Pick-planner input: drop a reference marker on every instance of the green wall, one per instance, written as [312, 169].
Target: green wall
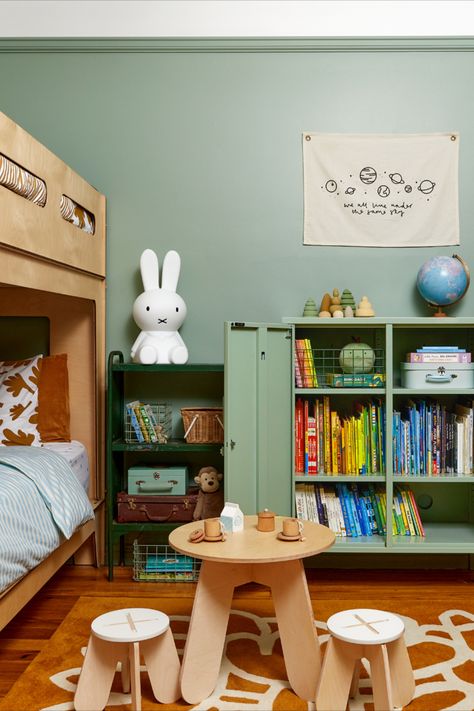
[197, 146]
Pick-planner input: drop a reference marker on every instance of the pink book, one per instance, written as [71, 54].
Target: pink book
[437, 357]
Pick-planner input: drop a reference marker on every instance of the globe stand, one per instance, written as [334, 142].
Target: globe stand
[440, 313]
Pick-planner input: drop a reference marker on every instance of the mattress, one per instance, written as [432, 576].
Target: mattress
[76, 456]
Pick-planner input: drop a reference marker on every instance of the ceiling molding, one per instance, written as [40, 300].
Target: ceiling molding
[236, 45]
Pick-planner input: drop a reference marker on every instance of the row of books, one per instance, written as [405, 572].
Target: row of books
[305, 370]
[330, 442]
[429, 439]
[350, 510]
[143, 422]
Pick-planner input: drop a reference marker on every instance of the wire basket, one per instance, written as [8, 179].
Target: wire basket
[160, 563]
[147, 423]
[340, 368]
[203, 425]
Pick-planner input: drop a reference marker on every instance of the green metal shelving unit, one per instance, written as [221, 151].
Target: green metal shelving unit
[128, 381]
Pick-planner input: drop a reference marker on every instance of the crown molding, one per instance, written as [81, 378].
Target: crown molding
[155, 45]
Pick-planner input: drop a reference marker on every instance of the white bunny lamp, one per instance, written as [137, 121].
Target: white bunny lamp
[159, 312]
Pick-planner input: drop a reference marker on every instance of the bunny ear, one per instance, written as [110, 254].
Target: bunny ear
[149, 270]
[171, 268]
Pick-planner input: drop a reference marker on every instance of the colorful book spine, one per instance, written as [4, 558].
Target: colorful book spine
[299, 436]
[416, 512]
[298, 373]
[300, 502]
[134, 421]
[145, 413]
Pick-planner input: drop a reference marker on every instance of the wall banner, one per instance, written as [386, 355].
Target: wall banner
[381, 190]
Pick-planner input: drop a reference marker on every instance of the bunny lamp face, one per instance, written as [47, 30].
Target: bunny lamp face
[159, 312]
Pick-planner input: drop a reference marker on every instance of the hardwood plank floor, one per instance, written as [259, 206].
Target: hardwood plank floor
[26, 635]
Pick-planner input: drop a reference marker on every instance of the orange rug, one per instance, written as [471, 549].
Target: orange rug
[440, 642]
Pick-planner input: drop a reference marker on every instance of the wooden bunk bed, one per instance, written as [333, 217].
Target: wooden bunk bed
[52, 268]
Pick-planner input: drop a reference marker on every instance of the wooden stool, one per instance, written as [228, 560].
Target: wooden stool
[121, 635]
[365, 634]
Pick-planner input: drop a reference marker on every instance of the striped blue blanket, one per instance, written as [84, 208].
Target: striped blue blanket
[41, 504]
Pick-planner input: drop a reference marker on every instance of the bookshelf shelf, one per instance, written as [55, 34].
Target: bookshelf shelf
[443, 500]
[182, 386]
[361, 544]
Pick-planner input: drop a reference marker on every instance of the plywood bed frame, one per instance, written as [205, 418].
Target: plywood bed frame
[50, 267]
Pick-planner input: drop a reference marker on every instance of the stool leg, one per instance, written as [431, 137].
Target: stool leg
[336, 675]
[401, 672]
[125, 673]
[163, 666]
[97, 674]
[355, 679]
[134, 656]
[380, 674]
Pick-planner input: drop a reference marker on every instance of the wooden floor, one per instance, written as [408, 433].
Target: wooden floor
[30, 631]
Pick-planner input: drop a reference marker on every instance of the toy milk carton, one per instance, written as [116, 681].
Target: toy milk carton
[232, 517]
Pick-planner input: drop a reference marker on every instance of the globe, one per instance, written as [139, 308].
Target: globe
[442, 281]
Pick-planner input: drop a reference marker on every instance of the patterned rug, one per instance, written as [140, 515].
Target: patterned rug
[440, 642]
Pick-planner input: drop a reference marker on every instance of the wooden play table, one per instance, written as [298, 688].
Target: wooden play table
[251, 556]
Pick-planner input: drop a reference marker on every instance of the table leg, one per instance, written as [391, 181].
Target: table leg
[207, 628]
[294, 614]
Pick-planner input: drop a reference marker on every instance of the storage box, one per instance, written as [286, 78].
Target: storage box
[160, 563]
[203, 425]
[156, 509]
[437, 375]
[162, 480]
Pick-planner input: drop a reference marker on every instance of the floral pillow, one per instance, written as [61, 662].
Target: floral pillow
[19, 402]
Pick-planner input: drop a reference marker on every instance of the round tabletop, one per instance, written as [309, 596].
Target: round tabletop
[251, 545]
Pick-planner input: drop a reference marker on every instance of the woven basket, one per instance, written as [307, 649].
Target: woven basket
[203, 425]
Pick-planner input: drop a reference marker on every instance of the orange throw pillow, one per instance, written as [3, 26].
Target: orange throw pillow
[53, 400]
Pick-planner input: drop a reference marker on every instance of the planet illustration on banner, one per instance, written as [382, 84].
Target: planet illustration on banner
[443, 281]
[368, 175]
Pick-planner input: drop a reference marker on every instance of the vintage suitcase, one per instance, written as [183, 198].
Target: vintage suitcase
[157, 480]
[437, 375]
[156, 509]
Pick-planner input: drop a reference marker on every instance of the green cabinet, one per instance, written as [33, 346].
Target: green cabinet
[180, 386]
[445, 499]
[258, 411]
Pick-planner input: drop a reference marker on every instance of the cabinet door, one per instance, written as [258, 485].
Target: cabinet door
[258, 412]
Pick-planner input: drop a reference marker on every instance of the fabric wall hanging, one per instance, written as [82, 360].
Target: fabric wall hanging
[381, 190]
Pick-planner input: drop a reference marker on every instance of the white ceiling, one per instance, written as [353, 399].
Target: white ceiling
[235, 18]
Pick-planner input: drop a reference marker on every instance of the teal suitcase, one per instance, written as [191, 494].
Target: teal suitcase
[160, 480]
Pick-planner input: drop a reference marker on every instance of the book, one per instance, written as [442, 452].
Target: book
[309, 359]
[355, 380]
[300, 502]
[440, 349]
[298, 373]
[299, 436]
[144, 412]
[417, 513]
[439, 357]
[134, 421]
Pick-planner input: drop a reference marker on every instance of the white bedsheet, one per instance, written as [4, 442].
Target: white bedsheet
[76, 456]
